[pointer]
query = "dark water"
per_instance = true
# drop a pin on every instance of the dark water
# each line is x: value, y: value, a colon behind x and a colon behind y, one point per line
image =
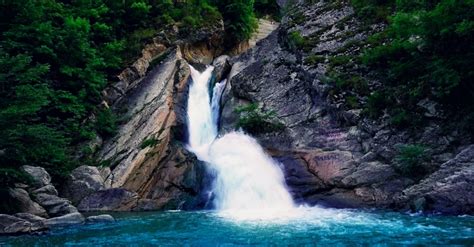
x: 322, y: 227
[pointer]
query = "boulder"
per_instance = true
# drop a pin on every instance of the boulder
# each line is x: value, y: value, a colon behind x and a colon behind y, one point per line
x: 24, y: 204
x: 82, y: 182
x: 56, y: 206
x: 39, y: 175
x: 369, y: 173
x: 115, y: 199
x: 68, y: 219
x: 100, y: 218
x: 450, y: 190
x: 14, y: 225
x: 221, y: 67
x: 30, y: 217
x: 48, y: 189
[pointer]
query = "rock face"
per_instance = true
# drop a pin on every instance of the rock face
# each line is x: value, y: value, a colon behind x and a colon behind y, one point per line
x: 331, y: 155
x: 109, y: 200
x: 149, y: 167
x: 449, y: 190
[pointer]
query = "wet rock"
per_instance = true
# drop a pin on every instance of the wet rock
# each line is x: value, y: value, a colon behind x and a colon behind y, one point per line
x: 24, y: 204
x: 100, y: 218
x: 115, y: 199
x: 38, y: 174
x: 68, y: 219
x: 14, y: 225
x: 221, y: 67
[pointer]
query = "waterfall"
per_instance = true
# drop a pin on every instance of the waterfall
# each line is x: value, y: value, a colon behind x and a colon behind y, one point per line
x: 249, y: 183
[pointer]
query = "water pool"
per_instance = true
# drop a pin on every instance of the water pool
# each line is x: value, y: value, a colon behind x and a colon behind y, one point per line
x: 314, y: 226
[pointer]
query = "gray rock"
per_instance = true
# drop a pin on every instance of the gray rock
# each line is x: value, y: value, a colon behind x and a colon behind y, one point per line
x: 221, y: 67
x: 30, y: 217
x: 100, y: 218
x: 369, y: 173
x: 48, y: 189
x: 14, y: 225
x: 449, y: 190
x: 38, y: 174
x: 24, y: 204
x: 115, y: 199
x: 56, y: 206
x: 82, y: 182
x: 68, y: 219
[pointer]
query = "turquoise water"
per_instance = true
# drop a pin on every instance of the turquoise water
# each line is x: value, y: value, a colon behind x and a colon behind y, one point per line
x: 322, y: 227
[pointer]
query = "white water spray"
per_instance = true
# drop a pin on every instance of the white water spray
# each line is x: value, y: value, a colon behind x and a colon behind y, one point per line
x: 249, y: 183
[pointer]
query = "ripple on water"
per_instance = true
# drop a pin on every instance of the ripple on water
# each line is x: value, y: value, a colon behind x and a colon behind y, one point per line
x: 307, y: 226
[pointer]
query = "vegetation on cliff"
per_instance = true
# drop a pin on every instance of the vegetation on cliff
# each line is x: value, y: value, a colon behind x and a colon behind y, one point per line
x: 425, y: 53
x: 57, y: 56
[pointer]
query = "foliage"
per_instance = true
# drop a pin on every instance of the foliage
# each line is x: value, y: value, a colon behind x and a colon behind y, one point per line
x: 425, y: 53
x: 55, y: 59
x: 254, y: 120
x: 106, y: 123
x: 410, y: 160
x: 314, y: 59
x: 239, y: 19
x: 373, y: 10
x: 296, y: 40
x: 149, y: 142
x: 267, y: 7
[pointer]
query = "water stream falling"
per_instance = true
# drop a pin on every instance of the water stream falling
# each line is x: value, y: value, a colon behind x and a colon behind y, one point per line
x: 249, y: 183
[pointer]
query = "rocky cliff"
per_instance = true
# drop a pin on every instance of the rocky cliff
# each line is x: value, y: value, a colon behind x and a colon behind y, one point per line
x: 145, y: 165
x: 330, y: 153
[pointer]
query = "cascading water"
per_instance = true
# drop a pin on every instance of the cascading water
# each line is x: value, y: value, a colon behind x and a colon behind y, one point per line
x: 249, y: 184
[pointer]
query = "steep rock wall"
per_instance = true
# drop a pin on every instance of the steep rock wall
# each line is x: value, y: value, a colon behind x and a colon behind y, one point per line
x: 332, y: 156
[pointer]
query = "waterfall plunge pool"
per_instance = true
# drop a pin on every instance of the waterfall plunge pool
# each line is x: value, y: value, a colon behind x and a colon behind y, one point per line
x: 315, y: 226
x: 253, y: 206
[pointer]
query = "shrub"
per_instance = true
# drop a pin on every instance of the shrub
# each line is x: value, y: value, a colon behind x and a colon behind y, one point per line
x: 149, y: 142
x: 296, y: 40
x: 410, y: 160
x: 314, y: 59
x: 253, y: 120
x: 376, y: 103
x: 106, y: 123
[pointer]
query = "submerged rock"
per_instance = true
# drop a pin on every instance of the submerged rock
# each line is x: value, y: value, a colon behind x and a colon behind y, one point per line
x: 100, y: 218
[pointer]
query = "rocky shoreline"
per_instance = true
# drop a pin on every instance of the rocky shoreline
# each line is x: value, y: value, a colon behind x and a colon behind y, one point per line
x: 39, y: 207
